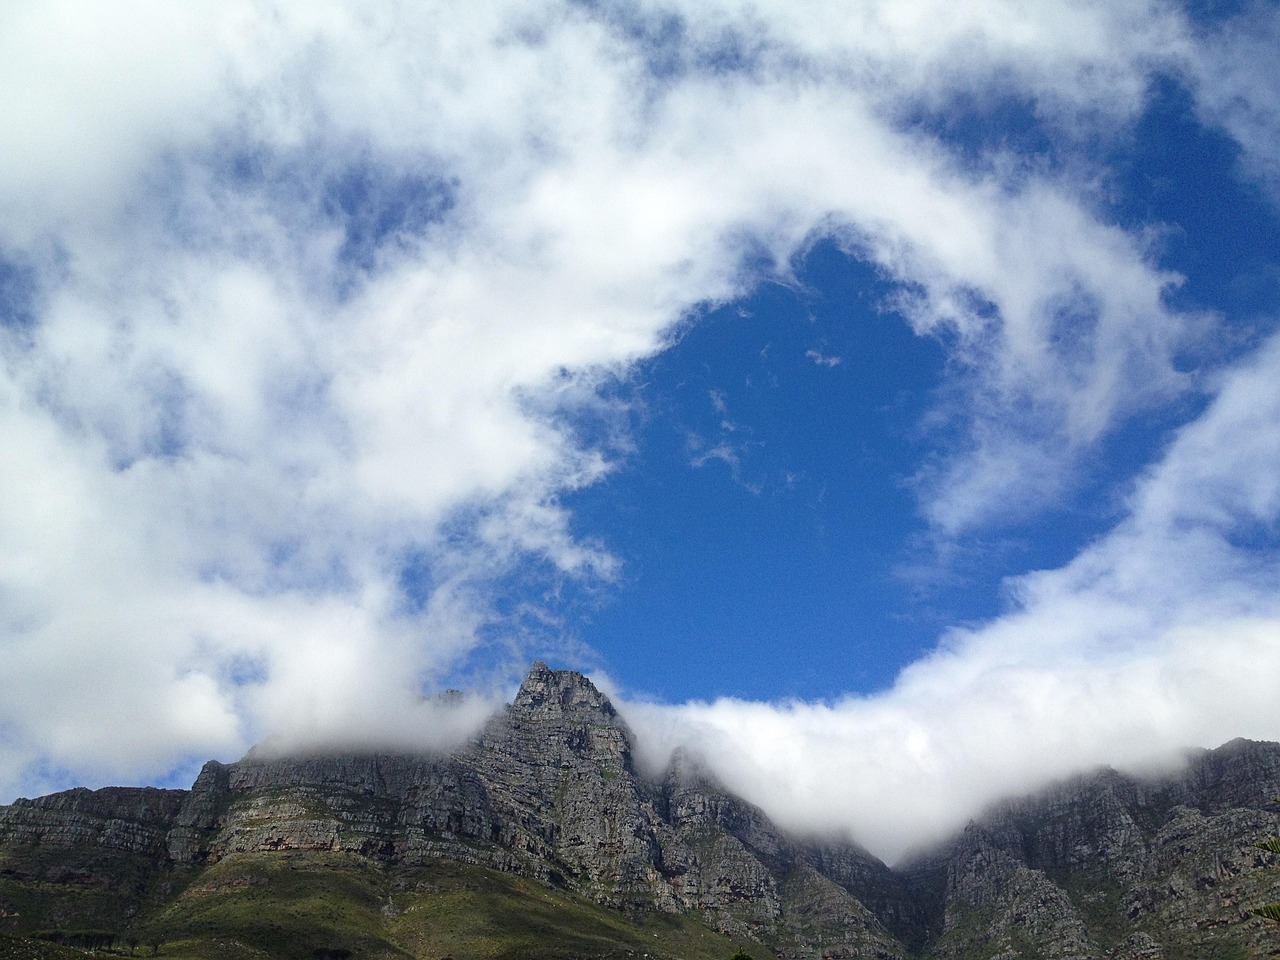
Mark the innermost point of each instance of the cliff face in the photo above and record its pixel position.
(84, 858)
(1102, 866)
(128, 819)
(1107, 866)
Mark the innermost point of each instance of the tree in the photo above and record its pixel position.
(1269, 911)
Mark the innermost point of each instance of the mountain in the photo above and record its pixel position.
(1110, 866)
(541, 838)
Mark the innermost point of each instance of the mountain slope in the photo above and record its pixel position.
(1106, 865)
(540, 837)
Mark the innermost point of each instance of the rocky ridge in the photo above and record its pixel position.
(1109, 866)
(1103, 866)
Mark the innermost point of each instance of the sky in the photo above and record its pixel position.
(881, 401)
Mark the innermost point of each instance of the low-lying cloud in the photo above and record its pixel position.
(303, 312)
(1163, 634)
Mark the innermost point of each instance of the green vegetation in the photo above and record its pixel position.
(1211, 948)
(1100, 902)
(285, 904)
(1269, 911)
(83, 939)
(468, 912)
(325, 906)
(313, 905)
(82, 887)
(26, 948)
(969, 936)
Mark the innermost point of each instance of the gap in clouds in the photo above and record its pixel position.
(1212, 13)
(672, 50)
(18, 288)
(986, 133)
(1123, 647)
(354, 212)
(766, 520)
(1176, 177)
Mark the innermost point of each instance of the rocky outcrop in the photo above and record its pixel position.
(129, 819)
(1106, 866)
(558, 766)
(85, 858)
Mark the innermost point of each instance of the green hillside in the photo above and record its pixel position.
(307, 906)
(29, 948)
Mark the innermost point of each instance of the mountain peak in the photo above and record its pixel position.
(546, 693)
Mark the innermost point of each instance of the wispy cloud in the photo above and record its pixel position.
(822, 360)
(721, 452)
(1237, 83)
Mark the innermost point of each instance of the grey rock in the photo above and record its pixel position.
(1108, 865)
(129, 819)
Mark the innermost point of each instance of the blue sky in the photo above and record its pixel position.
(878, 401)
(765, 519)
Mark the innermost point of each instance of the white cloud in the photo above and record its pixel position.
(83, 109)
(240, 404)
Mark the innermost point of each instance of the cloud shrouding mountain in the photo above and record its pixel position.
(296, 298)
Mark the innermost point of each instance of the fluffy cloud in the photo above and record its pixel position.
(331, 305)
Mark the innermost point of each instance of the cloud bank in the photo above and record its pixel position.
(307, 315)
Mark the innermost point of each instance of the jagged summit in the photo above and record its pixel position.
(546, 692)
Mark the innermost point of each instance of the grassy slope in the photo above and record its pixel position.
(285, 905)
(82, 887)
(276, 904)
(22, 948)
(466, 912)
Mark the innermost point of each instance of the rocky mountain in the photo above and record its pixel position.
(407, 855)
(1110, 866)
